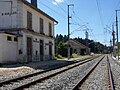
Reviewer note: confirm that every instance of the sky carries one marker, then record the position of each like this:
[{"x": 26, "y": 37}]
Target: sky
[{"x": 95, "y": 16}]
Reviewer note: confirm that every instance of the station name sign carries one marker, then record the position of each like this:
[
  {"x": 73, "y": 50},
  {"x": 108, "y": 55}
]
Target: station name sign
[{"x": 8, "y": 13}]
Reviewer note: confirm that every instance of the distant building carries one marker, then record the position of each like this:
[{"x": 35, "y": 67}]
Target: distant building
[
  {"x": 79, "y": 48},
  {"x": 26, "y": 32}
]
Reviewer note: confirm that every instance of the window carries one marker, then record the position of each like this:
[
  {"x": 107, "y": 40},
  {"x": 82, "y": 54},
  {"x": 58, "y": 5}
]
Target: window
[
  {"x": 41, "y": 26},
  {"x": 9, "y": 38},
  {"x": 29, "y": 20},
  {"x": 15, "y": 39},
  {"x": 50, "y": 29}
]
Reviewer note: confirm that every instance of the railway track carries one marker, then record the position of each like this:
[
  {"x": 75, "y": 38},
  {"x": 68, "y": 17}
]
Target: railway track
[
  {"x": 110, "y": 77},
  {"x": 46, "y": 70},
  {"x": 13, "y": 84},
  {"x": 115, "y": 68}
]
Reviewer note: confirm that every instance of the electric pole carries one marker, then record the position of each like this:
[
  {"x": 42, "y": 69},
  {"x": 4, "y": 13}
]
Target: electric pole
[
  {"x": 117, "y": 33},
  {"x": 86, "y": 34},
  {"x": 69, "y": 30},
  {"x": 111, "y": 46},
  {"x": 113, "y": 34}
]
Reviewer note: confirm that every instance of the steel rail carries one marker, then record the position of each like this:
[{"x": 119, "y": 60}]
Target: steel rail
[
  {"x": 76, "y": 87},
  {"x": 41, "y": 72},
  {"x": 111, "y": 81},
  {"x": 27, "y": 85}
]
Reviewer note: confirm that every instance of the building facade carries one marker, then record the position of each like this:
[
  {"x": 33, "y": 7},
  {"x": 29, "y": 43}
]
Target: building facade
[
  {"x": 79, "y": 48},
  {"x": 26, "y": 32}
]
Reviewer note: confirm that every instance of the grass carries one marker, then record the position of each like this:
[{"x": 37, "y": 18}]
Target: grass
[{"x": 59, "y": 57}]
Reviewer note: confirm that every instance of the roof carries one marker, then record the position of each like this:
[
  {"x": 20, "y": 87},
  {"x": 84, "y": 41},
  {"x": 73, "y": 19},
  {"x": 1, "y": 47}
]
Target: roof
[
  {"x": 77, "y": 44},
  {"x": 38, "y": 10},
  {"x": 8, "y": 33},
  {"x": 16, "y": 30}
]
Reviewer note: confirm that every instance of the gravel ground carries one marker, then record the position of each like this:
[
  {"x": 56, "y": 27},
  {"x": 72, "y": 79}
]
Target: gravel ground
[
  {"x": 9, "y": 73},
  {"x": 115, "y": 67},
  {"x": 98, "y": 79},
  {"x": 17, "y": 70},
  {"x": 13, "y": 85},
  {"x": 66, "y": 80},
  {"x": 14, "y": 71}
]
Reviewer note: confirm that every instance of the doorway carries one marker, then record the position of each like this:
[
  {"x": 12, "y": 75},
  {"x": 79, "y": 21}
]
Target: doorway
[
  {"x": 41, "y": 50},
  {"x": 50, "y": 50},
  {"x": 29, "y": 49}
]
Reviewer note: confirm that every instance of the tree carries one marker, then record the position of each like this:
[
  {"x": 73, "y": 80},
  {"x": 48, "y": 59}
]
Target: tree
[{"x": 61, "y": 45}]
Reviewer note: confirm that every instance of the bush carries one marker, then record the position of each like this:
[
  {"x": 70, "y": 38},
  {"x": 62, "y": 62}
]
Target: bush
[
  {"x": 74, "y": 55},
  {"x": 59, "y": 56}
]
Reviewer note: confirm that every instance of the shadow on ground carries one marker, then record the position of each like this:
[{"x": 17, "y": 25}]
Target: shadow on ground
[{"x": 43, "y": 65}]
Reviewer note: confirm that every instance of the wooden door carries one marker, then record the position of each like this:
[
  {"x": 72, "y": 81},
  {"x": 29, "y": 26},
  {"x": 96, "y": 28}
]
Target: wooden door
[
  {"x": 50, "y": 50},
  {"x": 41, "y": 50},
  {"x": 29, "y": 49}
]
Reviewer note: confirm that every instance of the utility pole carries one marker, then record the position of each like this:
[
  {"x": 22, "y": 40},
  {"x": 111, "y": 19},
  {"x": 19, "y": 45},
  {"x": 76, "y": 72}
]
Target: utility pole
[
  {"x": 110, "y": 46},
  {"x": 117, "y": 33},
  {"x": 86, "y": 34},
  {"x": 113, "y": 34},
  {"x": 69, "y": 30}
]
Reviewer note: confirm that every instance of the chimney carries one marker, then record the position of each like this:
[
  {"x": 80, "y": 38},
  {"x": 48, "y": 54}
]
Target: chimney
[{"x": 34, "y": 3}]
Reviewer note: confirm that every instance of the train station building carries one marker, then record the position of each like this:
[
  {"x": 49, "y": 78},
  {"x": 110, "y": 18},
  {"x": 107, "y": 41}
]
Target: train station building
[
  {"x": 26, "y": 32},
  {"x": 79, "y": 48}
]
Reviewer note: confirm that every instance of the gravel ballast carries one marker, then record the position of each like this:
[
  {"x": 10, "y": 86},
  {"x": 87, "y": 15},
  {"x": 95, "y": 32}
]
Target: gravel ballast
[
  {"x": 98, "y": 79},
  {"x": 22, "y": 82},
  {"x": 66, "y": 80},
  {"x": 13, "y": 71},
  {"x": 115, "y": 67}
]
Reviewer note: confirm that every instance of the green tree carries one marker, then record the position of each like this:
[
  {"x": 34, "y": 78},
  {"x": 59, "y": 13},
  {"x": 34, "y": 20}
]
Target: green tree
[{"x": 61, "y": 45}]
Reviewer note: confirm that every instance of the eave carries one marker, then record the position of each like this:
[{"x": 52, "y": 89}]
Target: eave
[{"x": 38, "y": 10}]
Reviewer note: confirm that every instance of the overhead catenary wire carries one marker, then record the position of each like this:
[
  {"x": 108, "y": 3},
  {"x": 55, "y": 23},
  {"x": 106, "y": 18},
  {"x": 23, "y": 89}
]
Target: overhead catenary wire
[
  {"x": 101, "y": 19},
  {"x": 111, "y": 20},
  {"x": 61, "y": 9},
  {"x": 58, "y": 6},
  {"x": 100, "y": 13},
  {"x": 56, "y": 12},
  {"x": 74, "y": 15},
  {"x": 75, "y": 19}
]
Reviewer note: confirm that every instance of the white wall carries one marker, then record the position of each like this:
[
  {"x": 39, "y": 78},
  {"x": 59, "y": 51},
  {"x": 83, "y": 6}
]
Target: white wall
[
  {"x": 1, "y": 49},
  {"x": 8, "y": 49},
  {"x": 36, "y": 47},
  {"x": 35, "y": 25},
  {"x": 35, "y": 18},
  {"x": 19, "y": 19},
  {"x": 8, "y": 21},
  {"x": 20, "y": 14}
]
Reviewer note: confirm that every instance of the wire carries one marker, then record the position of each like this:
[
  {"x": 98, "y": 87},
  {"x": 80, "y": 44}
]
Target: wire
[
  {"x": 51, "y": 9},
  {"x": 58, "y": 6},
  {"x": 100, "y": 13},
  {"x": 113, "y": 15},
  {"x": 65, "y": 2}
]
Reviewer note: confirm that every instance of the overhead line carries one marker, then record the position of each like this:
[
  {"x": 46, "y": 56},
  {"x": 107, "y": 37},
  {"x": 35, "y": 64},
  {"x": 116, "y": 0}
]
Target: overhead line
[
  {"x": 113, "y": 14},
  {"x": 58, "y": 6},
  {"x": 52, "y": 9},
  {"x": 100, "y": 13}
]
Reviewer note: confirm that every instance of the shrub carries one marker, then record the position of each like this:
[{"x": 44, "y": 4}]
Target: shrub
[
  {"x": 74, "y": 55},
  {"x": 59, "y": 56}
]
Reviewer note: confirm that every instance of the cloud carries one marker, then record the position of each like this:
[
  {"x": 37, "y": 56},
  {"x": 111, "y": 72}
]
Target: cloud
[{"x": 55, "y": 2}]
